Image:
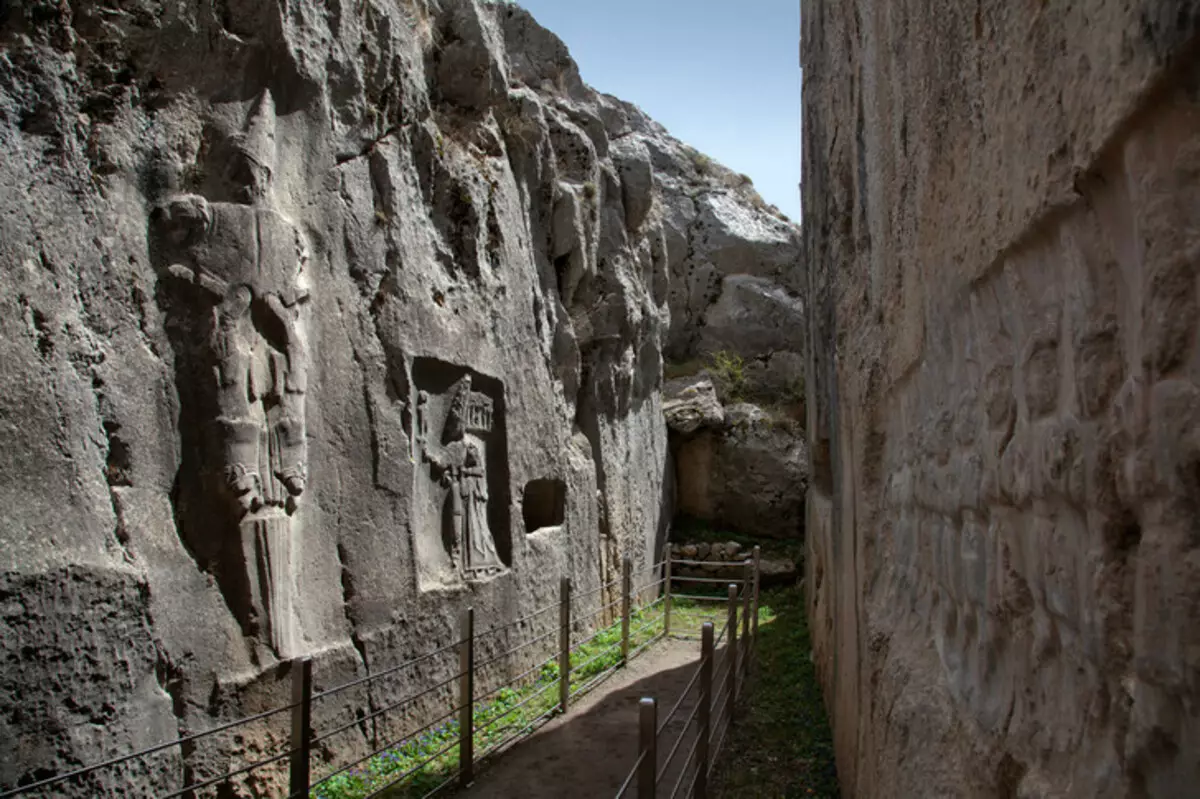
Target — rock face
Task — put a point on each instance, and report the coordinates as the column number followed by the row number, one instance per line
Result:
column 733, row 262
column 1001, row 227
column 323, row 321
column 738, row 466
column 690, row 403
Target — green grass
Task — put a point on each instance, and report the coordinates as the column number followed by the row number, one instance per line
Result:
column 687, row 615
column 782, row 746
column 495, row 719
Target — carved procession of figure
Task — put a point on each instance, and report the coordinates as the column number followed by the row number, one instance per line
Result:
column 249, row 260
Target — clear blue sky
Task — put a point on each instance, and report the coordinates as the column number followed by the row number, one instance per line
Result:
column 721, row 75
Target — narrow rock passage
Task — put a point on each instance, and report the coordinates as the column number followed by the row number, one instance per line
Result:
column 589, row 751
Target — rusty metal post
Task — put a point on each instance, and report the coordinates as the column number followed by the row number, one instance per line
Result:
column 466, row 697
column 648, row 747
column 300, row 760
column 754, row 621
column 700, row 791
column 626, row 585
column 731, row 646
column 667, row 598
column 564, row 646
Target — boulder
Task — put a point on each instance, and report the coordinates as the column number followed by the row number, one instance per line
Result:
column 776, row 572
column 753, row 316
column 779, row 375
column 690, row 403
column 750, row 476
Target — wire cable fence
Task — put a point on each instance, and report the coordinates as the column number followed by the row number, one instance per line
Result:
column 677, row 753
column 473, row 698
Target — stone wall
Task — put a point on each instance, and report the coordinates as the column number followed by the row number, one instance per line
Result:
column 322, row 321
column 1002, row 233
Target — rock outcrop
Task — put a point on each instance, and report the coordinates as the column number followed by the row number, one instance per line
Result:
column 738, row 466
column 733, row 262
column 690, row 403
column 1001, row 229
column 322, row 321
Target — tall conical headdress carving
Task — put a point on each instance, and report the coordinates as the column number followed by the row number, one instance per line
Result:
column 257, row 141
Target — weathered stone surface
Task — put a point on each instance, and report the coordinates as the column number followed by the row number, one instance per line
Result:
column 690, row 403
column 715, row 227
column 729, row 561
column 780, row 377
column 748, row 476
column 321, row 322
column 777, row 571
column 1001, row 229
column 753, row 317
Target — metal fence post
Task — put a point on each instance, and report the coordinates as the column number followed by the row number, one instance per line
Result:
column 466, row 696
column 754, row 621
column 648, row 746
column 706, row 669
column 732, row 648
column 564, row 645
column 626, row 585
column 301, row 669
column 746, row 579
column 667, row 598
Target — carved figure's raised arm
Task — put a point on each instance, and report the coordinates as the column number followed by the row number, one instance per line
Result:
column 211, row 283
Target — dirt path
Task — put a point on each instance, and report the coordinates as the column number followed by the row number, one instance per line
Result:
column 589, row 751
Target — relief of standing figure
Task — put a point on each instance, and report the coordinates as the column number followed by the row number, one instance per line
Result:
column 457, row 465
column 249, row 261
column 479, row 549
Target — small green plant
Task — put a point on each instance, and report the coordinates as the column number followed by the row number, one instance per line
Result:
column 703, row 164
column 589, row 190
column 729, row 369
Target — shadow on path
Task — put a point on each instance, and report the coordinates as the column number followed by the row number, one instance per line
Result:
column 589, row 752
column 780, row 745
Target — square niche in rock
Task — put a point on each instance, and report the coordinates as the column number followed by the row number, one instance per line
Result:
column 461, row 494
column 544, row 504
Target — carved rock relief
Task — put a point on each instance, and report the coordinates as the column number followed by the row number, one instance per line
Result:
column 461, row 520
column 1057, row 537
column 242, row 264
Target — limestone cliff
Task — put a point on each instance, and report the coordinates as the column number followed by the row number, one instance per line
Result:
column 322, row 320
column 1001, row 227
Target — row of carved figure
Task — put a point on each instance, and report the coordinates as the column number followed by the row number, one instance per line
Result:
column 246, row 261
